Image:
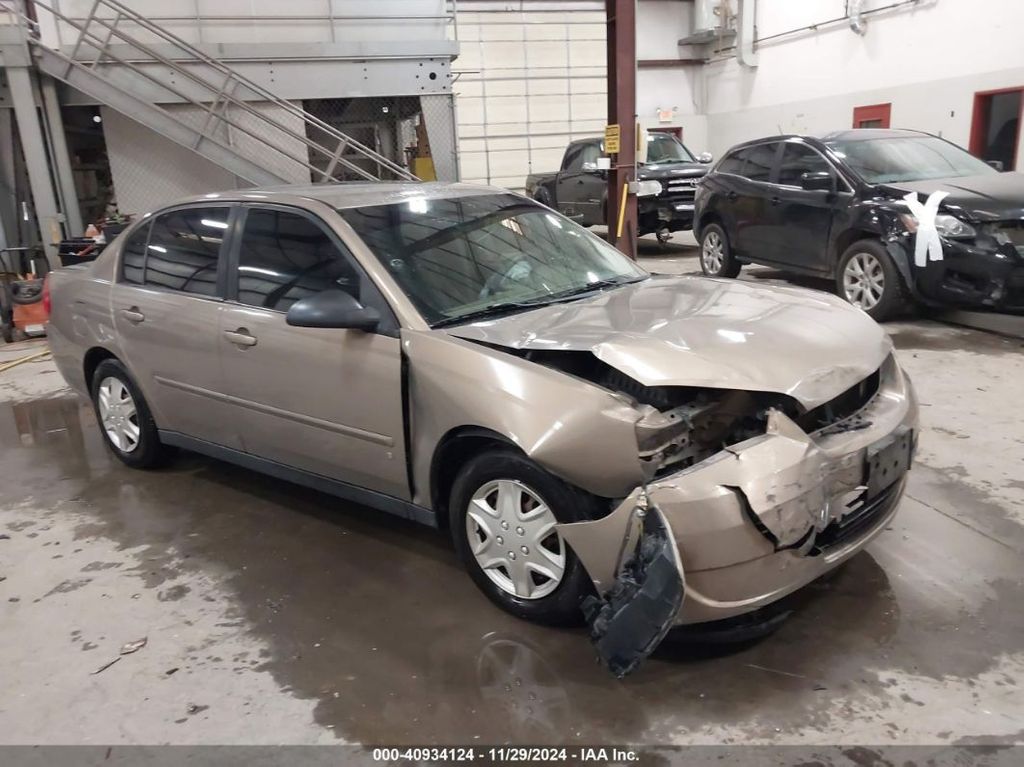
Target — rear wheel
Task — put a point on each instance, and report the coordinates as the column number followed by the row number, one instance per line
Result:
column 504, row 508
column 716, row 258
column 124, row 417
column 868, row 279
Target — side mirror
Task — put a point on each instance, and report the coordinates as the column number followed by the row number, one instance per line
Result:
column 818, row 181
column 332, row 309
column 997, row 164
column 705, row 158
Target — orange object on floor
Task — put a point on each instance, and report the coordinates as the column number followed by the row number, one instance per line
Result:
column 27, row 315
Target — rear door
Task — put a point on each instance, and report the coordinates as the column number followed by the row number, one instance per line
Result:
column 580, row 186
column 750, row 201
column 324, row 400
column 800, row 219
column 166, row 307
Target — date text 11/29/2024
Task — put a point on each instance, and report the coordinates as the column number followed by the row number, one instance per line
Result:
column 501, row 754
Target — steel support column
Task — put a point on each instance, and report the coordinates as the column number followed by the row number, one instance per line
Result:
column 33, row 146
column 621, row 46
column 61, row 157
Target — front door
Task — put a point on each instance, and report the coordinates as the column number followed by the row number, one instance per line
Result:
column 800, row 219
column 166, row 307
column 327, row 401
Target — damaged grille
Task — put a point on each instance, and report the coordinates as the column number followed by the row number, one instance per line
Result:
column 685, row 425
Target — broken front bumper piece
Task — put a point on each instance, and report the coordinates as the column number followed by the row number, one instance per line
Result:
column 765, row 517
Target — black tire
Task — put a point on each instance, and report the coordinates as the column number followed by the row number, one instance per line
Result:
column 562, row 605
column 894, row 297
column 711, row 236
column 149, row 451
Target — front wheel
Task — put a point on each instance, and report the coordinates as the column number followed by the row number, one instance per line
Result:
column 716, row 258
column 868, row 279
column 503, row 512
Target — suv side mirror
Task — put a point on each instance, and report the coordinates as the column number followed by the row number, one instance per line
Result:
column 997, row 164
column 705, row 158
column 332, row 309
column 818, row 181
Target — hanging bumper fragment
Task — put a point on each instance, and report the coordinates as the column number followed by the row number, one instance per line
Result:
column 641, row 598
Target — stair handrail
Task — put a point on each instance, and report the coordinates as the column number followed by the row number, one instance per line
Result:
column 222, row 94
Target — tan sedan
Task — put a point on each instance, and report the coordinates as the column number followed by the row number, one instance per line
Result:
column 659, row 450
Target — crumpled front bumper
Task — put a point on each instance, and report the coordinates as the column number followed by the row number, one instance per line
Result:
column 765, row 517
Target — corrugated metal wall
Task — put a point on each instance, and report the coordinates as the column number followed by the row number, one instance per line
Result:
column 531, row 77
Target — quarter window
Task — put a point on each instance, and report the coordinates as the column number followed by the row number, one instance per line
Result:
column 285, row 257
column 184, row 249
column 798, row 159
column 133, row 255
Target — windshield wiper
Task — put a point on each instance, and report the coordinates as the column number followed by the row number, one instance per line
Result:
column 509, row 307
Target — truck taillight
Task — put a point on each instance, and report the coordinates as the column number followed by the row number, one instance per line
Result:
column 46, row 295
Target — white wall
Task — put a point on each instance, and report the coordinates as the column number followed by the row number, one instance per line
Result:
column 927, row 60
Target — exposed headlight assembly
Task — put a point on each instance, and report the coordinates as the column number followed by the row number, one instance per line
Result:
column 945, row 224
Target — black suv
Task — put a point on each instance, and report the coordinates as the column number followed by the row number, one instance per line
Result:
column 836, row 207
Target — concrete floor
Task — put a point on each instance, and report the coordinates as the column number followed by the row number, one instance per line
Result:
column 278, row 615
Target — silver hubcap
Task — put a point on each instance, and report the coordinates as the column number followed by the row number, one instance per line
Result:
column 863, row 281
column 511, row 532
column 712, row 253
column 118, row 415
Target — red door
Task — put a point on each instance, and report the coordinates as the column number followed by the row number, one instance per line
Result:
column 872, row 116
column 995, row 126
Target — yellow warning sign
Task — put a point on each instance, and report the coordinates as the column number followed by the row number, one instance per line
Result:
column 612, row 134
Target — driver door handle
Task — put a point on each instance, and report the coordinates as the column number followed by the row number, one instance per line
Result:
column 732, row 195
column 133, row 315
column 240, row 337
column 775, row 200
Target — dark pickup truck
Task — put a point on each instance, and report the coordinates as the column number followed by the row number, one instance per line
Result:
column 580, row 189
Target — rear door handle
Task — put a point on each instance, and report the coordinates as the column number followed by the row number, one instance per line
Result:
column 133, row 315
column 732, row 195
column 775, row 200
column 240, row 337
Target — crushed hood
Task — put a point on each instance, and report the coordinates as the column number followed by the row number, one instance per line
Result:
column 991, row 197
column 696, row 331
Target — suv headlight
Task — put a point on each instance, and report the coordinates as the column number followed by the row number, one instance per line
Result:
column 945, row 224
column 648, row 189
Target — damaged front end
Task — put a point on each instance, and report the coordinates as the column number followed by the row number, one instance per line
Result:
column 750, row 492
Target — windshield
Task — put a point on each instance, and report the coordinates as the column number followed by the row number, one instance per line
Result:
column 908, row 158
column 467, row 256
column 663, row 147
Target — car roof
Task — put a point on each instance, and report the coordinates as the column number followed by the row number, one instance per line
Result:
column 348, row 194
column 866, row 134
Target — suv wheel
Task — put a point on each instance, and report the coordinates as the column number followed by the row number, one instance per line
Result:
column 716, row 259
column 124, row 417
column 868, row 279
column 503, row 511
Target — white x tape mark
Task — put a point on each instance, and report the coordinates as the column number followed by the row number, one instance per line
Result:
column 928, row 244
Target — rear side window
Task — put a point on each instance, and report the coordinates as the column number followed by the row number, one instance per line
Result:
column 284, row 257
column 184, row 250
column 133, row 255
column 760, row 159
column 732, row 163
column 798, row 159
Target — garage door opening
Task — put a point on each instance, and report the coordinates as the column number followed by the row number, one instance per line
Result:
column 995, row 127
column 872, row 116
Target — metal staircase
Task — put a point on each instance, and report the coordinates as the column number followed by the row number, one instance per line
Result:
column 244, row 128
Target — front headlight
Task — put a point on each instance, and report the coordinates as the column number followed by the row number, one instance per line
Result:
column 648, row 189
column 945, row 224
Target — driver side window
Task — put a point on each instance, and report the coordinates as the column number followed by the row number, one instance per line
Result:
column 284, row 257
